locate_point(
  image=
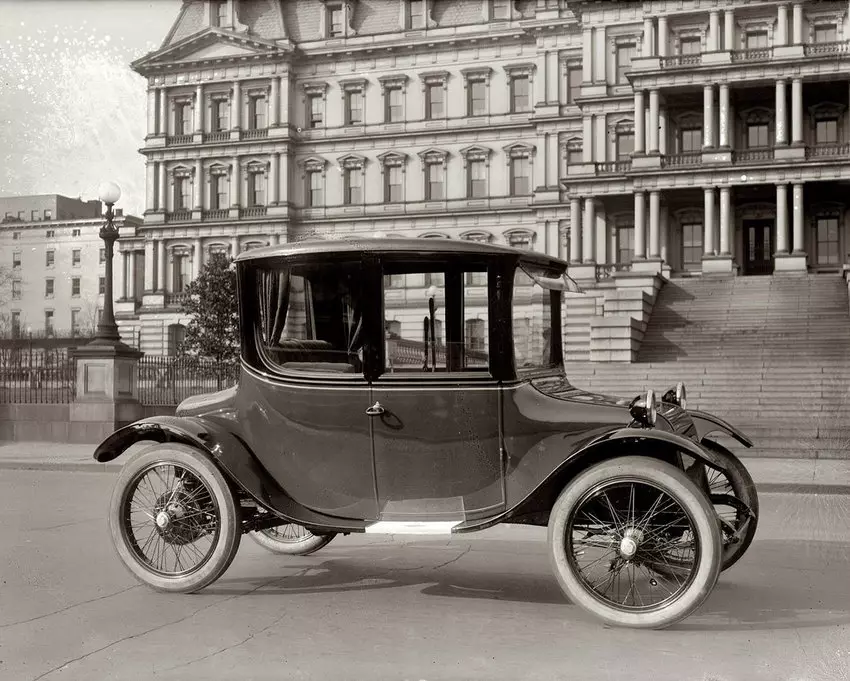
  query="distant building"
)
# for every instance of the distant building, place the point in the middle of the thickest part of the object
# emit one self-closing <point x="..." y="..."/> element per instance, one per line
<point x="53" y="263"/>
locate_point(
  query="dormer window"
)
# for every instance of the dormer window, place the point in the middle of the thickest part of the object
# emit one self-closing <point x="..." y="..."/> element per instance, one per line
<point x="337" y="18"/>
<point x="416" y="14"/>
<point x="336" y="27"/>
<point x="218" y="13"/>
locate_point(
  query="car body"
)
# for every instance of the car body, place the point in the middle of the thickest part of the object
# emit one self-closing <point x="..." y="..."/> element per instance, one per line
<point x="418" y="385"/>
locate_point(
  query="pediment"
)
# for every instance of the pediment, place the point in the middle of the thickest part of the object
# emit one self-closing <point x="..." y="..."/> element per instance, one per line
<point x="209" y="45"/>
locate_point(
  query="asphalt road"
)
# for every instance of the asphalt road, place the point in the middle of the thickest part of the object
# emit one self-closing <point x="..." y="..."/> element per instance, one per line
<point x="485" y="606"/>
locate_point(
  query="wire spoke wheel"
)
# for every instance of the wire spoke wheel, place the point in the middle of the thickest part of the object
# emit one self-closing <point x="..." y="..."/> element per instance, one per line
<point x="291" y="539"/>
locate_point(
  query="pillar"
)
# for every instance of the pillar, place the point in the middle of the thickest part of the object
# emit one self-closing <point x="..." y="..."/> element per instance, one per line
<point x="197" y="259"/>
<point x="162" y="127"/>
<point x="234" y="246"/>
<point x="664" y="229"/>
<point x="729" y="29"/>
<point x="600" y="58"/>
<point x="151" y="111"/>
<point x="587" y="55"/>
<point x="708" y="116"/>
<point x="236" y="107"/>
<point x="199" y="108"/>
<point x="781" y="218"/>
<point x="797" y="31"/>
<point x="797" y="111"/>
<point x="163" y="177"/>
<point x="160" y="265"/>
<point x="274" y="179"/>
<point x="781" y="115"/>
<point x="713" y="30"/>
<point x="235" y="182"/>
<point x="640" y="125"/>
<point x="662" y="131"/>
<point x="655" y="225"/>
<point x="646" y="45"/>
<point x="286" y="177"/>
<point x="587" y="139"/>
<point x="781" y="25"/>
<point x="553" y="76"/>
<point x="150" y="186"/>
<point x="663" y="36"/>
<point x="284" y="99"/>
<point x="725" y="220"/>
<point x="723" y="123"/>
<point x="126" y="269"/>
<point x="640" y="225"/>
<point x="274" y="109"/>
<point x="589" y="227"/>
<point x="653" y="121"/>
<point x="708" y="221"/>
<point x="798" y="245"/>
<point x="199" y="184"/>
<point x="575" y="231"/>
<point x="150" y="284"/>
<point x="601" y="139"/>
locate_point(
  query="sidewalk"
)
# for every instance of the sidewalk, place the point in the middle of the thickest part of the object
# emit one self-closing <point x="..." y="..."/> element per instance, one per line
<point x="801" y="476"/>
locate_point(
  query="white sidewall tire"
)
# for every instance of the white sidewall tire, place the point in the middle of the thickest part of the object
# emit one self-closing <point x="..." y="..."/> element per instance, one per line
<point x="674" y="482"/>
<point x="230" y="532"/>
<point x="300" y="548"/>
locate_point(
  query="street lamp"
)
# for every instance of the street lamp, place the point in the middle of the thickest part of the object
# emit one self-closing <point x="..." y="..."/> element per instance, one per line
<point x="107" y="329"/>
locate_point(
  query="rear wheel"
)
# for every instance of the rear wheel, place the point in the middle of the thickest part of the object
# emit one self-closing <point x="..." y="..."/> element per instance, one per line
<point x="619" y="519"/>
<point x="291" y="539"/>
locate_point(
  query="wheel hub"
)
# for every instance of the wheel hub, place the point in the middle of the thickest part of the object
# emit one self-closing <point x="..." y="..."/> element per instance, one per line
<point x="162" y="520"/>
<point x="630" y="542"/>
<point x="171" y="517"/>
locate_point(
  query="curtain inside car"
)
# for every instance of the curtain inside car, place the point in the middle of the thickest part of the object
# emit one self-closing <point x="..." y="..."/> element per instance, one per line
<point x="274" y="302"/>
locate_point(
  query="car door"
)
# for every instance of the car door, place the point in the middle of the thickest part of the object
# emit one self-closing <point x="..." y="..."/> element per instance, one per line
<point x="305" y="405"/>
<point x="435" y="411"/>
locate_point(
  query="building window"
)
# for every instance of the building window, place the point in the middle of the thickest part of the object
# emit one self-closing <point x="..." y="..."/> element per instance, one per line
<point x="21" y="214"/>
<point x="755" y="40"/>
<point x="393" y="178"/>
<point x="690" y="140"/>
<point x="75" y="287"/>
<point x="101" y="285"/>
<point x="690" y="44"/>
<point x="520" y="240"/>
<point x="182" y="118"/>
<point x="179" y="271"/>
<point x="34" y="215"/>
<point x="218" y="191"/>
<point x="16" y="261"/>
<point x="316" y="110"/>
<point x="335" y="18"/>
<point x="75" y="321"/>
<point x="625" y="144"/>
<point x="625" y="54"/>
<point x="48" y="322"/>
<point x="416" y="14"/>
<point x="16" y="289"/>
<point x="826" y="131"/>
<point x="353" y="186"/>
<point x="16" y="323"/>
<point x="49" y="234"/>
<point x="75" y="232"/>
<point x="574" y="153"/>
<point x="393" y="105"/>
<point x="101" y="258"/>
<point x="477" y="105"/>
<point x="501" y="9"/>
<point x="477" y="178"/>
<point x="48" y="214"/>
<point x="16" y="236"/>
<point x="573" y="83"/>
<point x="434" y="101"/>
<point x="181" y="193"/>
<point x="520" y="175"/>
<point x="315" y="188"/>
<point x="828" y="252"/>
<point x="257" y="188"/>
<point x="520" y="95"/>
<point x="220" y="115"/>
<point x="758" y="135"/>
<point x="50" y="258"/>
<point x="219" y="13"/>
<point x="354" y="107"/>
<point x="691" y="243"/>
<point x="826" y="33"/>
<point x="625" y="244"/>
<point x="48" y="288"/>
<point x="76" y="257"/>
<point x="475" y="333"/>
<point x="257" y="112"/>
<point x="435" y="183"/>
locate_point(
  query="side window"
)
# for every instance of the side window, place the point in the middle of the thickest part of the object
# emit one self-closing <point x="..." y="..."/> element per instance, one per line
<point x="532" y="321"/>
<point x="435" y="320"/>
<point x="311" y="318"/>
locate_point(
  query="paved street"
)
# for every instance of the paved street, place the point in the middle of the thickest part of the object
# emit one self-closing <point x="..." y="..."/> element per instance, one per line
<point x="479" y="607"/>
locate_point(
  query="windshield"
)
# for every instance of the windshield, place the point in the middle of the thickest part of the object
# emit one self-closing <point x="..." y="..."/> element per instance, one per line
<point x="536" y="317"/>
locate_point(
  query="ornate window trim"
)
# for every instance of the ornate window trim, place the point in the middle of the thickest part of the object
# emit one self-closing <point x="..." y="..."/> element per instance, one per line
<point x="475" y="152"/>
<point x="690" y="31"/>
<point x="313" y="164"/>
<point x="315" y="87"/>
<point x="434" y="235"/>
<point x="405" y="17"/>
<point x="397" y="80"/>
<point x="392" y="158"/>
<point x="433" y="155"/>
<point x="312" y="89"/>
<point x="479" y="74"/>
<point x="389" y="84"/>
<point x="348" y="87"/>
<point x="826" y="111"/>
<point x="521" y="232"/>
<point x="754" y="25"/>
<point x="350" y="163"/>
<point x="756" y="210"/>
<point x="348" y="8"/>
<point x="519" y="150"/>
<point x="478" y="236"/>
<point x="573" y="144"/>
<point x="826" y="17"/>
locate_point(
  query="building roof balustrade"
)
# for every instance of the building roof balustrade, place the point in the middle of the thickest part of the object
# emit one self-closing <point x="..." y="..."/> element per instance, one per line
<point x="216" y="214"/>
<point x="253" y="211"/>
<point x="686" y="158"/>
<point x="219" y="136"/>
<point x="752" y="54"/>
<point x="177" y="140"/>
<point x="178" y="216"/>
<point x="833" y="48"/>
<point x="681" y="60"/>
<point x="831" y="150"/>
<point x="255" y="134"/>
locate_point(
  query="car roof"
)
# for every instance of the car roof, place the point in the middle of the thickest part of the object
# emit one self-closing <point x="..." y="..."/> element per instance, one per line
<point x="395" y="245"/>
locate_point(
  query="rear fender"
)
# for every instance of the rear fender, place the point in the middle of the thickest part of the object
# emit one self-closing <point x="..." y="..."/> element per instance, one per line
<point x="708" y="423"/>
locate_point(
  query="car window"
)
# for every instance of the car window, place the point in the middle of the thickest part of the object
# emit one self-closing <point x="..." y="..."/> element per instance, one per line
<point x="311" y="319"/>
<point x="532" y="319"/>
<point x="434" y="327"/>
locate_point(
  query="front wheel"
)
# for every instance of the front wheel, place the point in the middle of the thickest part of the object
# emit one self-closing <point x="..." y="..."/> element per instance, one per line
<point x="174" y="521"/>
<point x="291" y="539"/>
<point x="615" y="523"/>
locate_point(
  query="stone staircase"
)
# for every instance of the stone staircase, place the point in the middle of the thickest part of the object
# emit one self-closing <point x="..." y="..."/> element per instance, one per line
<point x="771" y="355"/>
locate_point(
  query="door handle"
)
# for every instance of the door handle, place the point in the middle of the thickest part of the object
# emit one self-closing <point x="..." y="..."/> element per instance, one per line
<point x="376" y="409"/>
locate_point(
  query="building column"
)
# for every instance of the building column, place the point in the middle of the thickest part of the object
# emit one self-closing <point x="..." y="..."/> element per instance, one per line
<point x="662" y="131"/>
<point x="197" y="259"/>
<point x="150" y="186"/>
<point x="708" y="221"/>
<point x="646" y="44"/>
<point x="781" y="25"/>
<point x="723" y="123"/>
<point x="729" y="29"/>
<point x="199" y="184"/>
<point x="655" y="225"/>
<point x="160" y="265"/>
<point x="653" y="121"/>
<point x="553" y="77"/>
<point x="664" y="229"/>
<point x="640" y="225"/>
<point x="781" y="114"/>
<point x="725" y="220"/>
<point x="797" y="31"/>
<point x="274" y="179"/>
<point x="575" y="231"/>
<point x="640" y="124"/>
<point x="781" y="218"/>
<point x="286" y="179"/>
<point x="163" y="187"/>
<point x="150" y="284"/>
<point x="199" y="109"/>
<point x="798" y="244"/>
<point x="235" y="183"/>
<point x="797" y="111"/>
<point x="274" y="109"/>
<point x="600" y="58"/>
<point x="151" y="112"/>
<point x="162" y="125"/>
<point x="587" y="139"/>
<point x="663" y="36"/>
<point x="708" y="116"/>
<point x="236" y="106"/>
<point x="125" y="271"/>
<point x="234" y="246"/>
<point x="713" y="30"/>
<point x="601" y="139"/>
<point x="587" y="55"/>
<point x="589" y="227"/>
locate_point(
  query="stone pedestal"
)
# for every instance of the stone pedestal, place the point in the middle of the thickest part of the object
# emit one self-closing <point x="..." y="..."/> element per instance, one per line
<point x="648" y="266"/>
<point x="790" y="152"/>
<point x="789" y="262"/>
<point x="717" y="265"/>
<point x="107" y="391"/>
<point x="652" y="160"/>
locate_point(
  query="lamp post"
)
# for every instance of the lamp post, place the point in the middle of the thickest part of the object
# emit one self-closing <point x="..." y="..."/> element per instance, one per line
<point x="107" y="329"/>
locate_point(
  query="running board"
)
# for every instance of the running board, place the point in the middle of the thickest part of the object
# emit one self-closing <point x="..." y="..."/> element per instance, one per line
<point x="412" y="527"/>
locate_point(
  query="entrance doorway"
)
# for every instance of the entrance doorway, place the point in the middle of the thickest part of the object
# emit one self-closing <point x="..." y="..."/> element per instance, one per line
<point x="758" y="246"/>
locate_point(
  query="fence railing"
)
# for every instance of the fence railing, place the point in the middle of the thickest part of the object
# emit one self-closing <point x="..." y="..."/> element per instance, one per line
<point x="681" y="60"/>
<point x="43" y="378"/>
<point x="752" y="54"/>
<point x="815" y="49"/>
<point x="167" y="381"/>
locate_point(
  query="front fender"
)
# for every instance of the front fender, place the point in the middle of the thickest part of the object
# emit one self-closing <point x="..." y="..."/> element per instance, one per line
<point x="643" y="435"/>
<point x="706" y="423"/>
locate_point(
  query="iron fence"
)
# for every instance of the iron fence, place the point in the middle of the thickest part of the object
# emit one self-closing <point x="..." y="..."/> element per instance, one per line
<point x="40" y="378"/>
<point x="167" y="381"/>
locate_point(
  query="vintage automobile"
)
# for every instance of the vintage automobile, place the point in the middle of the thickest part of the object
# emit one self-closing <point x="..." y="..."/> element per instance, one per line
<point x="401" y="386"/>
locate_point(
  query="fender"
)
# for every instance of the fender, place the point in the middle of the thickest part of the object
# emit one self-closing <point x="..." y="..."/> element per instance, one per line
<point x="708" y="423"/>
<point x="642" y="434"/>
<point x="232" y="455"/>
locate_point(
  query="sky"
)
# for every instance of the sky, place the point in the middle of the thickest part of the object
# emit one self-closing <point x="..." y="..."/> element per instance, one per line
<point x="72" y="112"/>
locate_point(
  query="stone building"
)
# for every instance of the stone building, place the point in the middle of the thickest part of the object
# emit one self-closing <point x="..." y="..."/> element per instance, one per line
<point x="638" y="140"/>
<point x="53" y="264"/>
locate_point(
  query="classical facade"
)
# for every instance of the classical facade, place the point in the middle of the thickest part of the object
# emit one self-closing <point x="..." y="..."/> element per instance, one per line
<point x="664" y="137"/>
<point x="53" y="264"/>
